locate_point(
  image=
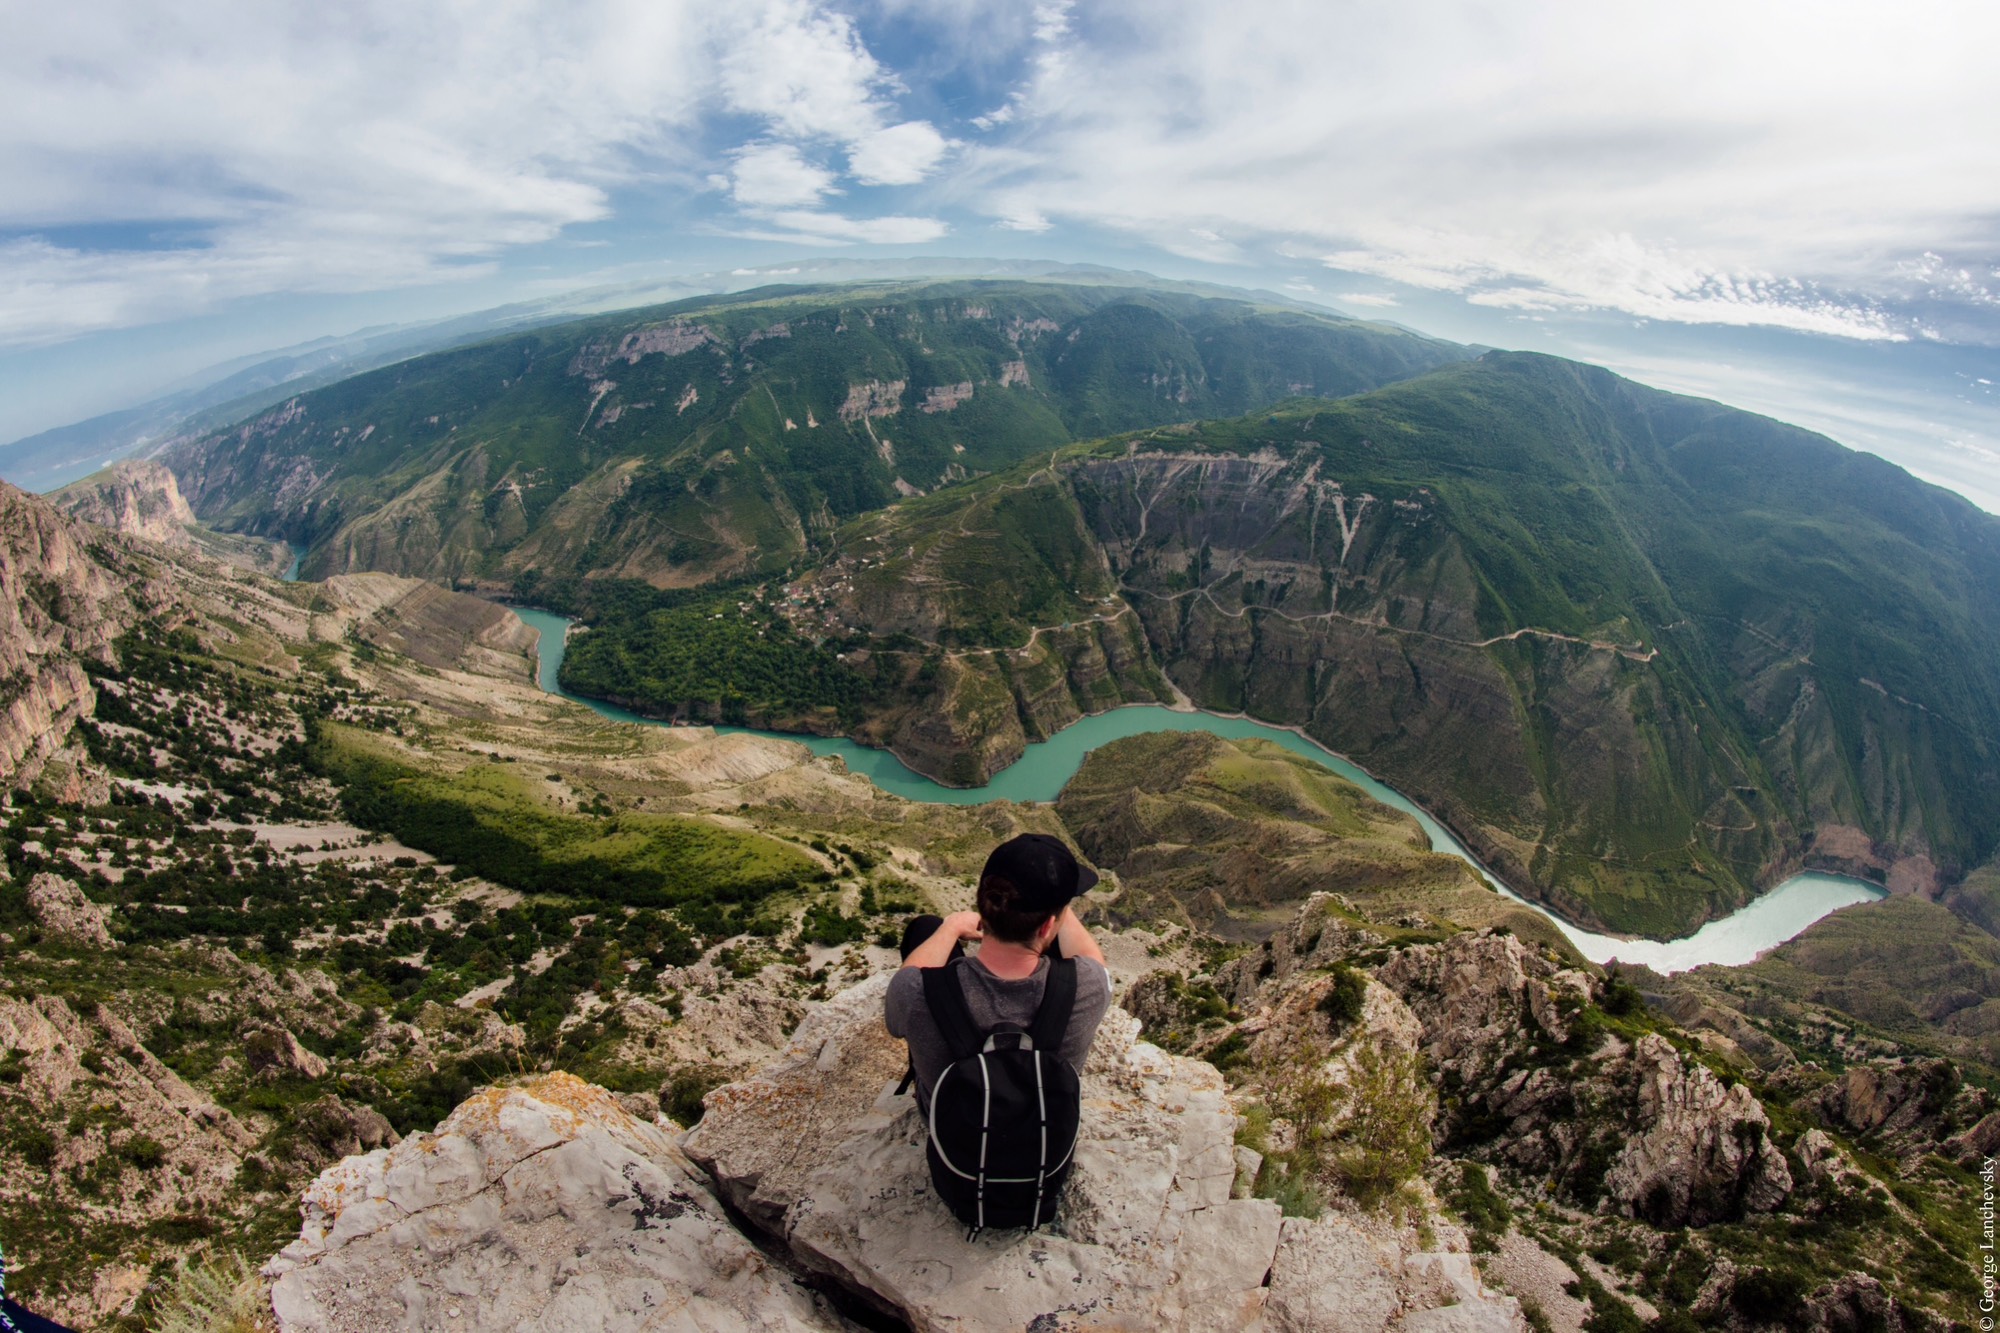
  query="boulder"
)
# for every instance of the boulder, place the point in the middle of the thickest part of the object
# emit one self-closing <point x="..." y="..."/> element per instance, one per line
<point x="63" y="913"/>
<point x="1976" y="1144"/>
<point x="545" y="1206"/>
<point x="1348" y="1273"/>
<point x="329" y="1129"/>
<point x="819" y="1151"/>
<point x="1857" y="1302"/>
<point x="1481" y="997"/>
<point x="272" y="1051"/>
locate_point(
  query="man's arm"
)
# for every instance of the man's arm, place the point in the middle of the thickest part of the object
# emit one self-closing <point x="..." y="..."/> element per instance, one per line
<point x="936" y="951"/>
<point x="1076" y="941"/>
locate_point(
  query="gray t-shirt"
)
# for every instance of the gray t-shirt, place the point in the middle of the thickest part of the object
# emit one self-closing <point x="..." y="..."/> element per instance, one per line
<point x="992" y="1002"/>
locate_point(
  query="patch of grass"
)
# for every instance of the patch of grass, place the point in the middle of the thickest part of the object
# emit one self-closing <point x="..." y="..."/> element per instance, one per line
<point x="216" y="1296"/>
<point x="1485" y="1214"/>
<point x="485" y="819"/>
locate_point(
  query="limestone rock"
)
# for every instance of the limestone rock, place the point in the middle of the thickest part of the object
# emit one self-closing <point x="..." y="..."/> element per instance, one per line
<point x="1702" y="1153"/>
<point x="434" y="626"/>
<point x="63" y="913"/>
<point x="1498" y="1026"/>
<point x="546" y="1206"/>
<point x="1826" y="1165"/>
<point x="1331" y="1277"/>
<point x="173" y="1152"/>
<point x="59" y="603"/>
<point x="1523" y="1267"/>
<point x="1906" y="1099"/>
<point x="1352" y="1273"/>
<point x="1318" y="936"/>
<point x="273" y="1052"/>
<point x="818" y="1150"/>
<point x="1480" y="996"/>
<point x="329" y="1129"/>
<point x="1858" y="1301"/>
<point x="1977" y="1143"/>
<point x="68" y="777"/>
<point x="137" y="498"/>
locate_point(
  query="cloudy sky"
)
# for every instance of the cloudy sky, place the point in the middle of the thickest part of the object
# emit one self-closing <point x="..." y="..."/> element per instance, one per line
<point x="1791" y="206"/>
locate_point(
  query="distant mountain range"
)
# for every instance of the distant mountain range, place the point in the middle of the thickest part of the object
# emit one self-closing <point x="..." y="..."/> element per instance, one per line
<point x="1646" y="653"/>
<point x="235" y="390"/>
<point x="725" y="436"/>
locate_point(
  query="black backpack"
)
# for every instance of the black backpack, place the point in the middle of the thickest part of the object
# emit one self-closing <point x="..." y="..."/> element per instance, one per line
<point x="1003" y="1115"/>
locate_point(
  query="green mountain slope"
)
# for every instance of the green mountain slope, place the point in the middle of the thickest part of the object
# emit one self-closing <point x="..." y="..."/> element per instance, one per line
<point x="1646" y="653"/>
<point x="718" y="437"/>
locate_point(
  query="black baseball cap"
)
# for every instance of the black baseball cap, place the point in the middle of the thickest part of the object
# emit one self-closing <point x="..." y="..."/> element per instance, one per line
<point x="1042" y="870"/>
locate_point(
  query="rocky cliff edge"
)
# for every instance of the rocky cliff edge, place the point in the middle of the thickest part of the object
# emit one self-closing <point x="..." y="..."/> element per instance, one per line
<point x="551" y="1206"/>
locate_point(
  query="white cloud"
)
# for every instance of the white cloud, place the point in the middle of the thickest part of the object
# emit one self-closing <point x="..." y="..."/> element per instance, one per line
<point x="776" y="176"/>
<point x="385" y="143"/>
<point x="899" y="155"/>
<point x="1707" y="162"/>
<point x="1383" y="299"/>
<point x="1831" y="167"/>
<point x="811" y="227"/>
<point x="802" y="69"/>
<point x="807" y="74"/>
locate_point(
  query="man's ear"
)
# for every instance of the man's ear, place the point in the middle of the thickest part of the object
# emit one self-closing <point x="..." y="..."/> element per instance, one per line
<point x="1049" y="930"/>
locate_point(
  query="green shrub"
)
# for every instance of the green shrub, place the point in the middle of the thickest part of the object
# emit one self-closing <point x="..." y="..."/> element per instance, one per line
<point x="221" y="1296"/>
<point x="682" y="1097"/>
<point x="1621" y="998"/>
<point x="1344" y="999"/>
<point x="1295" y="1194"/>
<point x="1368" y="1135"/>
<point x="144" y="1153"/>
<point x="36" y="1146"/>
<point x="1229" y="1053"/>
<point x="1771" y="1295"/>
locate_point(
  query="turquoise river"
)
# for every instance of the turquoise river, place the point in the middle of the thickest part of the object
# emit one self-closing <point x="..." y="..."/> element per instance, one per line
<point x="1043" y="769"/>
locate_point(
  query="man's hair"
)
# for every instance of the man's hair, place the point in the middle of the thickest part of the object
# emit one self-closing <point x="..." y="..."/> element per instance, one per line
<point x="999" y="904"/>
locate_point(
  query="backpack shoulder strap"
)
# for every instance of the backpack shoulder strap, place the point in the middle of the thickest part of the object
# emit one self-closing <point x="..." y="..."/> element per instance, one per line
<point x="1058" y="1002"/>
<point x="944" y="995"/>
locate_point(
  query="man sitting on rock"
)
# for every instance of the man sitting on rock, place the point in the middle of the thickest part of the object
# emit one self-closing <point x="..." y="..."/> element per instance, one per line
<point x="996" y="1038"/>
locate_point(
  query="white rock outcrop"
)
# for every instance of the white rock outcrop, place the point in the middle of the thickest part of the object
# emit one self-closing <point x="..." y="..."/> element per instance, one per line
<point x="58" y="605"/>
<point x="1499" y="1019"/>
<point x="137" y="497"/>
<point x="63" y="913"/>
<point x="544" y="1207"/>
<point x="818" y="1150"/>
<point x="1698" y="1150"/>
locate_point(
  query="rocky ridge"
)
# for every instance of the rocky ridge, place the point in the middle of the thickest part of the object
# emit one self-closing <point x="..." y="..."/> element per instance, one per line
<point x="135" y="498"/>
<point x="61" y="603"/>
<point x="816" y="1162"/>
<point x="817" y="1153"/>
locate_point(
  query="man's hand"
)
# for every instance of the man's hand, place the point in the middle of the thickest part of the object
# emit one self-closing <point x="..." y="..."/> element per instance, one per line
<point x="1075" y="940"/>
<point x="936" y="951"/>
